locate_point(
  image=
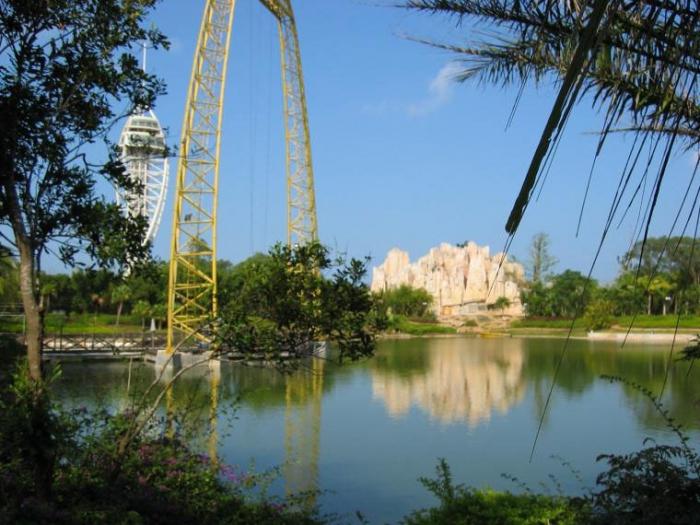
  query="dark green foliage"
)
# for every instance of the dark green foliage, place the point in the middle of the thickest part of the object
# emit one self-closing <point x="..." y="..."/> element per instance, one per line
<point x="460" y="505"/>
<point x="501" y="303"/>
<point x="9" y="278"/>
<point x="231" y="276"/>
<point x="30" y="442"/>
<point x="64" y="467"/>
<point x="282" y="302"/>
<point x="566" y="295"/>
<point x="408" y="301"/>
<point x="657" y="484"/>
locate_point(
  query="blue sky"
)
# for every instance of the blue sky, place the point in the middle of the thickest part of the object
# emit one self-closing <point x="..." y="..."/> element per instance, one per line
<point x="403" y="157"/>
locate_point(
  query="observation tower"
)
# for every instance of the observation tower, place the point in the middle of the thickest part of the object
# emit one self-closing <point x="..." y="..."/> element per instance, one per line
<point x="144" y="154"/>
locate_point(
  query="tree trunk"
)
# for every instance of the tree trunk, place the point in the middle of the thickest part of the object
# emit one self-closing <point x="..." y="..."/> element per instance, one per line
<point x="34" y="321"/>
<point x="32" y="309"/>
<point x="649" y="304"/>
<point x="119" y="311"/>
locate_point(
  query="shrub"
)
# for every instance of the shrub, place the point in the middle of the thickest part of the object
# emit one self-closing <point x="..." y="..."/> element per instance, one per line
<point x="657" y="484"/>
<point x="462" y="505"/>
<point x="408" y="301"/>
<point x="59" y="466"/>
<point x="599" y="315"/>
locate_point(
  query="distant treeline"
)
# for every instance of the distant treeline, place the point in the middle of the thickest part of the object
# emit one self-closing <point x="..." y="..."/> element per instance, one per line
<point x="104" y="291"/>
<point x="661" y="277"/>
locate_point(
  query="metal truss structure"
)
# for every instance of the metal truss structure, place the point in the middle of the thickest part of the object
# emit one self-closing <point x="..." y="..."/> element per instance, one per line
<point x="143" y="153"/>
<point x="192" y="293"/>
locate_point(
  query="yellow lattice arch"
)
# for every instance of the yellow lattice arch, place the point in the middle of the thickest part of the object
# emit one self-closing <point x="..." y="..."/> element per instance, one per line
<point x="192" y="301"/>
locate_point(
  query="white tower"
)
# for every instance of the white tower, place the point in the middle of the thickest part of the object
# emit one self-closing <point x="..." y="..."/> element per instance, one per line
<point x="143" y="153"/>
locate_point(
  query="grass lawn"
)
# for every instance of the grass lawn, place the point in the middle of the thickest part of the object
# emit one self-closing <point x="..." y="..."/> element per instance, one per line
<point x="79" y="324"/>
<point x="403" y="325"/>
<point x="641" y="322"/>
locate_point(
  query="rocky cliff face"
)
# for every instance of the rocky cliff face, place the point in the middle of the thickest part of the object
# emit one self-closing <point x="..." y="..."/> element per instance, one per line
<point x="461" y="280"/>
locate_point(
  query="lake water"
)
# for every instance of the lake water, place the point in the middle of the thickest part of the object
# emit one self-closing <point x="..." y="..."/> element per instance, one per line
<point x="365" y="432"/>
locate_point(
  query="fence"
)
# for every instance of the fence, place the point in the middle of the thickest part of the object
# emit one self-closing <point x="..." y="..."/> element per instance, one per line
<point x="114" y="344"/>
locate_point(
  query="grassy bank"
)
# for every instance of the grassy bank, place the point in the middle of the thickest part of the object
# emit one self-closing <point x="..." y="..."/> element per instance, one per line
<point x="78" y="324"/>
<point x="401" y="324"/>
<point x="641" y="322"/>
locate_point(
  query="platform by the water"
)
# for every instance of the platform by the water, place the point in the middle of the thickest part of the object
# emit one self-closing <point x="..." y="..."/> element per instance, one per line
<point x="146" y="347"/>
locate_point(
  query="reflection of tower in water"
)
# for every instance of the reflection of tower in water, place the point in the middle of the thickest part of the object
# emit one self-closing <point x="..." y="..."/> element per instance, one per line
<point x="214" y="381"/>
<point x="302" y="430"/>
<point x="202" y="404"/>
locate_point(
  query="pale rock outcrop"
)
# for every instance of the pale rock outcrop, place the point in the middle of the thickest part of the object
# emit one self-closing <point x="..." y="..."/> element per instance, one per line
<point x="462" y="280"/>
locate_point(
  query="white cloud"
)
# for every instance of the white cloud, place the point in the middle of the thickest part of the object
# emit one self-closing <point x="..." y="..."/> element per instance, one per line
<point x="440" y="91"/>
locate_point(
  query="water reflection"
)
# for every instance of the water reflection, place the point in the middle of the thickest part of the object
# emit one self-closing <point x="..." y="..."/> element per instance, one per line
<point x="319" y="425"/>
<point x="456" y="384"/>
<point x="302" y="430"/>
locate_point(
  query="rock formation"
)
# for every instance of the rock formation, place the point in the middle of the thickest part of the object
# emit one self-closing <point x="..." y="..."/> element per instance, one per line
<point x="462" y="280"/>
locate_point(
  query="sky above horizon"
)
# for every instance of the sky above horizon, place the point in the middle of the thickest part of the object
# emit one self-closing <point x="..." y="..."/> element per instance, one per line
<point x="403" y="156"/>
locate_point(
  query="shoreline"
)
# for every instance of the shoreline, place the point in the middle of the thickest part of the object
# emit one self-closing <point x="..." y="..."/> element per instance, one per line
<point x="640" y="337"/>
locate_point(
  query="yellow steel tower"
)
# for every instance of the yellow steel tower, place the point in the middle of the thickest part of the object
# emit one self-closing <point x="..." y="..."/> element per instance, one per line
<point x="192" y="281"/>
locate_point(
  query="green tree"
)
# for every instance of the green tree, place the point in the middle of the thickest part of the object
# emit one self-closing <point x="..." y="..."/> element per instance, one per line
<point x="627" y="294"/>
<point x="9" y="278"/>
<point x="541" y="261"/>
<point x="230" y="276"/>
<point x="64" y="65"/>
<point x="120" y="294"/>
<point x="150" y="283"/>
<point x="566" y="295"/>
<point x="284" y="302"/>
<point x="599" y="314"/>
<point x="657" y="289"/>
<point x="87" y="283"/>
<point x="48" y="290"/>
<point x="537" y="300"/>
<point x="159" y="312"/>
<point x="571" y="292"/>
<point x="408" y="301"/>
<point x="501" y="303"/>
<point x="142" y="310"/>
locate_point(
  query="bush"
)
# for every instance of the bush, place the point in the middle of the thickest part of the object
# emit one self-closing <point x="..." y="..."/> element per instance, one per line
<point x="657" y="484"/>
<point x="599" y="315"/>
<point x="462" y="505"/>
<point x="408" y="301"/>
<point x="60" y="466"/>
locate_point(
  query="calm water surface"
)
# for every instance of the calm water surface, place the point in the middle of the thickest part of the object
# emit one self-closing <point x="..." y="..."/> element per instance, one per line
<point x="365" y="432"/>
